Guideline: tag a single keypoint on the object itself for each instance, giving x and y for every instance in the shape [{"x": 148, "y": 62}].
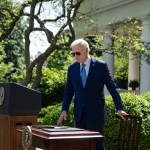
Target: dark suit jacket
[{"x": 92, "y": 96}]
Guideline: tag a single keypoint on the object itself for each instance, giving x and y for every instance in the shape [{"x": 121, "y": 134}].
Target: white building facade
[{"x": 103, "y": 12}]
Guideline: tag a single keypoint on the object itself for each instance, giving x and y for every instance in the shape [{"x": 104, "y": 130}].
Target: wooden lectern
[
  {"x": 19, "y": 106},
  {"x": 68, "y": 139}
]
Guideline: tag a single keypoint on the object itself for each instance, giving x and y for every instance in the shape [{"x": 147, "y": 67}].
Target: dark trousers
[{"x": 93, "y": 126}]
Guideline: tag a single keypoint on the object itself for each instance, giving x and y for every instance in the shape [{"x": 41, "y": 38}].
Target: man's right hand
[{"x": 62, "y": 117}]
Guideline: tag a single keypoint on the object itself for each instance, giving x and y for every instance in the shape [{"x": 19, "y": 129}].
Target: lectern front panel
[{"x": 19, "y": 100}]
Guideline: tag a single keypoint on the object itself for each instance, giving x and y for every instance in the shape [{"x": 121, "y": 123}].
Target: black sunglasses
[{"x": 75, "y": 53}]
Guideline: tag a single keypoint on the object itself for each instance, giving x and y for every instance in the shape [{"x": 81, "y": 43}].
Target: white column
[
  {"x": 145, "y": 68},
  {"x": 109, "y": 58},
  {"x": 133, "y": 68}
]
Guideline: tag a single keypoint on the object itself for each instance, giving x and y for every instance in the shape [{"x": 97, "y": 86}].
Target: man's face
[{"x": 79, "y": 53}]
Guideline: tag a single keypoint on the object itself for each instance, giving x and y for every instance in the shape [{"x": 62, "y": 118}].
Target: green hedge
[
  {"x": 133, "y": 104},
  {"x": 52, "y": 86}
]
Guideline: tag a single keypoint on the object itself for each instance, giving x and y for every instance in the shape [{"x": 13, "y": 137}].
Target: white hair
[{"x": 81, "y": 42}]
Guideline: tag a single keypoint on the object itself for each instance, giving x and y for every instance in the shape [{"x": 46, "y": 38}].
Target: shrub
[
  {"x": 133, "y": 104},
  {"x": 133, "y": 84},
  {"x": 52, "y": 86},
  {"x": 50, "y": 115}
]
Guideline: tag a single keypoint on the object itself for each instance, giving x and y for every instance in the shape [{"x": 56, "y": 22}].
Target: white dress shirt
[{"x": 87, "y": 65}]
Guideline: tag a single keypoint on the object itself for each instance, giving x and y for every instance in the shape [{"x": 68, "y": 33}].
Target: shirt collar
[{"x": 87, "y": 62}]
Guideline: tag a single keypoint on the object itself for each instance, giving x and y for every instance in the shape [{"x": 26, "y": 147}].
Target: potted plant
[{"x": 133, "y": 84}]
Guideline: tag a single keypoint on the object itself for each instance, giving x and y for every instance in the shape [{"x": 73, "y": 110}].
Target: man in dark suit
[{"x": 86, "y": 79}]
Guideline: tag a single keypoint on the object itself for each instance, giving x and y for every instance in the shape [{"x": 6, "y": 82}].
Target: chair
[{"x": 129, "y": 133}]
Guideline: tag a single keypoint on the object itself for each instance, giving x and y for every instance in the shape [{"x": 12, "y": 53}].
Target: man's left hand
[{"x": 122, "y": 114}]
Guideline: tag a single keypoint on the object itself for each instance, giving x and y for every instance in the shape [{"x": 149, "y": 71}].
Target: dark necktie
[{"x": 83, "y": 74}]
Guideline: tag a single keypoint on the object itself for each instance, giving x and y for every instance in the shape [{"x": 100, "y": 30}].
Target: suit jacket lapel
[
  {"x": 91, "y": 71},
  {"x": 78, "y": 74}
]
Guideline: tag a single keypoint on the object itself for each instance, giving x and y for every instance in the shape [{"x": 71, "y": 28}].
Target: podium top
[
  {"x": 75, "y": 133},
  {"x": 2, "y": 84},
  {"x": 18, "y": 100}
]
